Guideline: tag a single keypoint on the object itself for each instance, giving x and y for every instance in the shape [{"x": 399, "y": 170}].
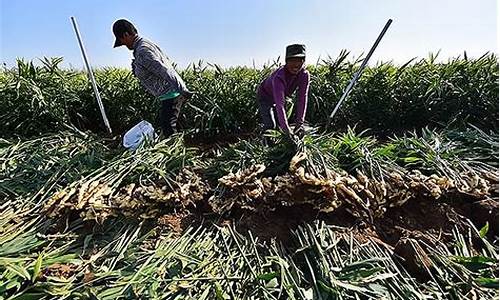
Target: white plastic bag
[{"x": 137, "y": 134}]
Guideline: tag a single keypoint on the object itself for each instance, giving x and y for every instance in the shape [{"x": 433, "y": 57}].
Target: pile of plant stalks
[
  {"x": 99, "y": 227},
  {"x": 123, "y": 184},
  {"x": 350, "y": 170},
  {"x": 31, "y": 170},
  {"x": 130, "y": 260}
]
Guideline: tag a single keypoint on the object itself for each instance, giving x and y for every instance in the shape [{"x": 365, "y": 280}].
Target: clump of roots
[
  {"x": 364, "y": 196},
  {"x": 97, "y": 200}
]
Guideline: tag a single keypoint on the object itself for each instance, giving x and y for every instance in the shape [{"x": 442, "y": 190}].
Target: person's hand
[
  {"x": 293, "y": 138},
  {"x": 187, "y": 95},
  {"x": 299, "y": 131},
  {"x": 181, "y": 99}
]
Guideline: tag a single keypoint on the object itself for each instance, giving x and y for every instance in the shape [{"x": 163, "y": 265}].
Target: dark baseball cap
[
  {"x": 295, "y": 50},
  {"x": 120, "y": 27}
]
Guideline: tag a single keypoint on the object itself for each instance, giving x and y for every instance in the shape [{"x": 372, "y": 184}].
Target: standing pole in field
[
  {"x": 91, "y": 76},
  {"x": 357, "y": 74}
]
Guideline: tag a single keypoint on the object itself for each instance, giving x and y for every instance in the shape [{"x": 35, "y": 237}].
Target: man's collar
[{"x": 136, "y": 41}]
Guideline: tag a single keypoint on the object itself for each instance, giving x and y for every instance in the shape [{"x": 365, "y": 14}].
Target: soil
[
  {"x": 420, "y": 218},
  {"x": 60, "y": 270},
  {"x": 409, "y": 230},
  {"x": 178, "y": 222},
  {"x": 479, "y": 212},
  {"x": 426, "y": 220}
]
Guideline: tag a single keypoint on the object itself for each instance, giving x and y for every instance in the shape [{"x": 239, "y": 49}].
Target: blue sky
[{"x": 243, "y": 32}]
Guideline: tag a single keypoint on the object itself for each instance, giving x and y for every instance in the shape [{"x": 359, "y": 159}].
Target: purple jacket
[{"x": 281, "y": 84}]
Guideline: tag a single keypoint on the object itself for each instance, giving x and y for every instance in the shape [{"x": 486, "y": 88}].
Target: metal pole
[
  {"x": 348, "y": 89},
  {"x": 91, "y": 75}
]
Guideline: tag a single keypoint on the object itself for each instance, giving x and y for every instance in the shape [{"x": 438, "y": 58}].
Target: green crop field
[{"x": 397, "y": 200}]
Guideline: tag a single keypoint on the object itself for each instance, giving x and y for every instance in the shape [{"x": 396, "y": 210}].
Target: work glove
[
  {"x": 187, "y": 94},
  {"x": 293, "y": 138},
  {"x": 299, "y": 130}
]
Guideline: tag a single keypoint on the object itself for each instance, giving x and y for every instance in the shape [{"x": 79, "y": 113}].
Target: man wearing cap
[
  {"x": 155, "y": 72},
  {"x": 283, "y": 83}
]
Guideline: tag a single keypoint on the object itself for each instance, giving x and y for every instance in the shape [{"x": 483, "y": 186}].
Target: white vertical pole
[
  {"x": 358, "y": 73},
  {"x": 91, "y": 76}
]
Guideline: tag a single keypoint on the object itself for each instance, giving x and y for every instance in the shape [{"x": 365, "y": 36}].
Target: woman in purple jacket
[{"x": 283, "y": 83}]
